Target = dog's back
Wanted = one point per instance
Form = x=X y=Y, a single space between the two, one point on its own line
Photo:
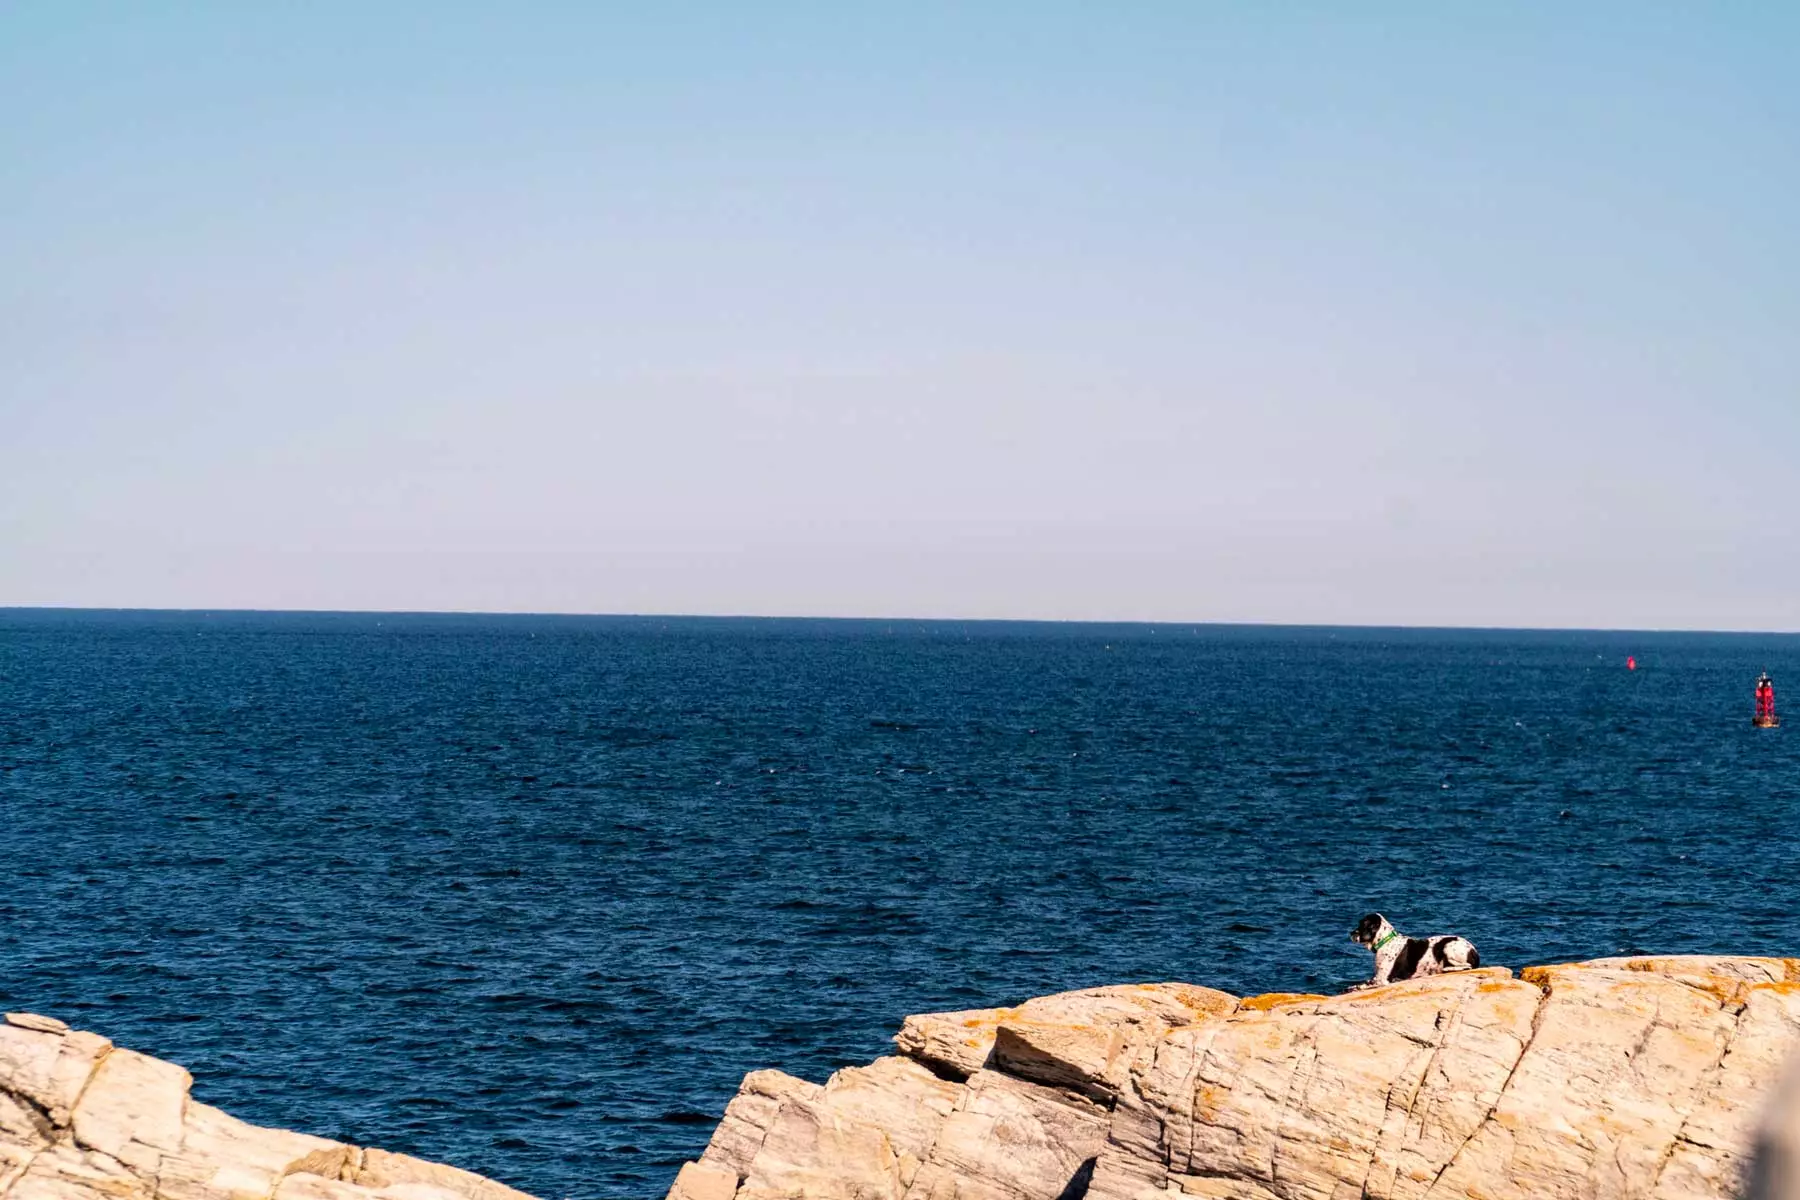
x=1433 y=956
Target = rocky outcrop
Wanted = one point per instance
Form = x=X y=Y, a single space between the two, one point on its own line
x=1628 y=1077
x=82 y=1119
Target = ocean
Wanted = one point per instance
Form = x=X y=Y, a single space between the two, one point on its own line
x=531 y=894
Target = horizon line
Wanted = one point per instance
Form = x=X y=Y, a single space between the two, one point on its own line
x=734 y=616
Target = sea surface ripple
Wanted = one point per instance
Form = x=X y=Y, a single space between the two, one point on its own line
x=530 y=894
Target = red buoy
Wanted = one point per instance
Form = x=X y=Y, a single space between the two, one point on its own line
x=1630 y=663
x=1765 y=717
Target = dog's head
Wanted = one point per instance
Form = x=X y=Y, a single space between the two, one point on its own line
x=1368 y=929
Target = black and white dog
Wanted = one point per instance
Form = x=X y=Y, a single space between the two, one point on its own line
x=1398 y=957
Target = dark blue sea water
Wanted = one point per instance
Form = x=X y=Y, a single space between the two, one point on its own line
x=530 y=894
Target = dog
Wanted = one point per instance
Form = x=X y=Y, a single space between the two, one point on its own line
x=1398 y=957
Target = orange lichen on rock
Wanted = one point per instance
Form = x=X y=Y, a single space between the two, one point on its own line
x=1269 y=1000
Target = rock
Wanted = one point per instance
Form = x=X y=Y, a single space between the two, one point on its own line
x=400 y=1175
x=45 y=1067
x=904 y=1100
x=1009 y=1139
x=956 y=1043
x=223 y=1158
x=1623 y=1077
x=1315 y=1089
x=1709 y=967
x=813 y=1151
x=863 y=1135
x=704 y=1181
x=740 y=1132
x=1072 y=1037
x=62 y=1172
x=81 y=1119
x=132 y=1109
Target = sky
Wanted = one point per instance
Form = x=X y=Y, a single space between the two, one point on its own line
x=1402 y=313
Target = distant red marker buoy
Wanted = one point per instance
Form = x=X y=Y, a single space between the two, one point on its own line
x=1630 y=663
x=1765 y=717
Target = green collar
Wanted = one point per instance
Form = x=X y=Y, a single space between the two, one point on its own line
x=1391 y=935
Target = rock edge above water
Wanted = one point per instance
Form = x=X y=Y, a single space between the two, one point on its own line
x=82 y=1119
x=1622 y=1077
x=1639 y=1077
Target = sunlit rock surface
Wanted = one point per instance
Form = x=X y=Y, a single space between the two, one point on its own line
x=1643 y=1077
x=1640 y=1077
x=82 y=1119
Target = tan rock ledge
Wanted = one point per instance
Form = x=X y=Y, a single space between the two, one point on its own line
x=1613 y=1078
x=1624 y=1077
x=82 y=1119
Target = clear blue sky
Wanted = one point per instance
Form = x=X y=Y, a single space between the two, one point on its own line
x=1410 y=313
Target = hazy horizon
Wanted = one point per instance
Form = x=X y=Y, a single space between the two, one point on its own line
x=1411 y=318
x=929 y=619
